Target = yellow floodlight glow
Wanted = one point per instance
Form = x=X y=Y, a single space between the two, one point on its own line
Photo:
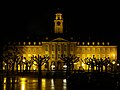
x=113 y=62
x=83 y=43
x=23 y=83
x=88 y=43
x=98 y=43
x=117 y=64
x=93 y=43
x=23 y=60
x=83 y=65
x=53 y=66
x=103 y=43
x=64 y=66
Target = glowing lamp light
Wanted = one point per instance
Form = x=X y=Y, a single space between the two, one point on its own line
x=118 y=64
x=83 y=64
x=93 y=43
x=53 y=66
x=34 y=68
x=23 y=60
x=29 y=43
x=113 y=62
x=88 y=43
x=64 y=66
x=108 y=43
x=103 y=43
x=98 y=43
x=83 y=43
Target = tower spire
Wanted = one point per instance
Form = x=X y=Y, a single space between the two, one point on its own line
x=58 y=23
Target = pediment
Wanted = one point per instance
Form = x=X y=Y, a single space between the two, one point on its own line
x=59 y=40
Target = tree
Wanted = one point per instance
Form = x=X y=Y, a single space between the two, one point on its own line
x=69 y=60
x=11 y=55
x=91 y=62
x=40 y=61
x=106 y=63
x=99 y=63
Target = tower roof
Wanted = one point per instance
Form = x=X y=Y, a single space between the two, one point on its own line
x=58 y=10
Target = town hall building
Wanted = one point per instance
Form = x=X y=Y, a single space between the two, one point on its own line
x=55 y=47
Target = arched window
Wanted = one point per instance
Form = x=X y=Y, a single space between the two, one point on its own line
x=53 y=48
x=58 y=47
x=46 y=47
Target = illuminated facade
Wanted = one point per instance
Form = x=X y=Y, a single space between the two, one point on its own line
x=59 y=45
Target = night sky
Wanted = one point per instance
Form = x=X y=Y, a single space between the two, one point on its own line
x=84 y=18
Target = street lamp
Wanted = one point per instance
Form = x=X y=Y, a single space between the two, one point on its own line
x=23 y=62
x=65 y=67
x=53 y=67
x=118 y=64
x=113 y=62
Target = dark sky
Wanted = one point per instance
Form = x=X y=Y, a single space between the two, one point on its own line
x=85 y=18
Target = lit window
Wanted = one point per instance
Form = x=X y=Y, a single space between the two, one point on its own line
x=19 y=43
x=71 y=48
x=29 y=43
x=88 y=55
x=53 y=56
x=46 y=38
x=34 y=43
x=98 y=43
x=59 y=55
x=34 y=50
x=83 y=43
x=103 y=56
x=24 y=43
x=113 y=56
x=103 y=50
x=113 y=49
x=53 y=48
x=29 y=56
x=103 y=43
x=88 y=43
x=98 y=50
x=58 y=47
x=108 y=43
x=24 y=55
x=78 y=50
x=29 y=50
x=93 y=50
x=24 y=50
x=65 y=47
x=98 y=56
x=46 y=55
x=88 y=49
x=108 y=55
x=93 y=43
x=46 y=47
x=83 y=56
x=78 y=55
x=39 y=50
x=39 y=43
x=83 y=49
x=108 y=50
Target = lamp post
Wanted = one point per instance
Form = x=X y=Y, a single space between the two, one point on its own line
x=24 y=59
x=118 y=66
x=113 y=62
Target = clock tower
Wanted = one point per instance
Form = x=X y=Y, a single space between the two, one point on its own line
x=58 y=23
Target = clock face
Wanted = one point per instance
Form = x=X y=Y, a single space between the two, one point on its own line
x=58 y=23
